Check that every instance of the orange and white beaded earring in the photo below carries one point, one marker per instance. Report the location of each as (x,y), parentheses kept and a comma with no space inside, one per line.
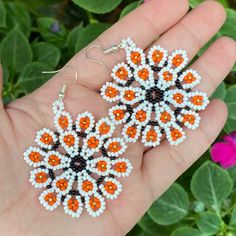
(78,162)
(153,95)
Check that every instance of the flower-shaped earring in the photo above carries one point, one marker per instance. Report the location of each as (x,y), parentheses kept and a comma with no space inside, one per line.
(78,164)
(154,97)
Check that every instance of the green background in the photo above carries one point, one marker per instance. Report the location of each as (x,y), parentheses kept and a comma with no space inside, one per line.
(43,35)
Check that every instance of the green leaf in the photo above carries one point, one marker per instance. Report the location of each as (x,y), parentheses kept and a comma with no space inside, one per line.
(129,8)
(15,50)
(31,76)
(231,94)
(229,29)
(198,206)
(232,173)
(171,207)
(89,33)
(52,31)
(220,92)
(98,6)
(186,231)
(18,16)
(232,221)
(3,15)
(73,37)
(230,125)
(208,223)
(211,185)
(148,225)
(232,110)
(194,3)
(47,53)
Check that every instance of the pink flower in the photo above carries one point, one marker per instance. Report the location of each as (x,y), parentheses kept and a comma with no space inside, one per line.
(225,152)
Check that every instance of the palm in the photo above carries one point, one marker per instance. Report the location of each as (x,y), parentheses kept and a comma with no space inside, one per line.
(155,169)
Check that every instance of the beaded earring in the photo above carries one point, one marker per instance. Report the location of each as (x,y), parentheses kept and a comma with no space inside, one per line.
(153,95)
(77,164)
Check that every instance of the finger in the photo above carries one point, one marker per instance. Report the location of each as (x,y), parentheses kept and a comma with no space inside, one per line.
(215,63)
(195,29)
(143,24)
(162,165)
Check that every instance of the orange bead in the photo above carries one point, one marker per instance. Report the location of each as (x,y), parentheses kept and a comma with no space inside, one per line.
(110,187)
(102,166)
(131,131)
(46,139)
(122,73)
(63,122)
(62,184)
(165,117)
(143,74)
(178,97)
(94,203)
(119,114)
(69,140)
(54,160)
(35,157)
(111,92)
(129,95)
(151,136)
(141,115)
(135,57)
(114,147)
(176,134)
(189,78)
(197,100)
(177,60)
(157,56)
(189,118)
(167,76)
(84,122)
(87,186)
(73,204)
(41,177)
(120,167)
(104,128)
(50,198)
(93,142)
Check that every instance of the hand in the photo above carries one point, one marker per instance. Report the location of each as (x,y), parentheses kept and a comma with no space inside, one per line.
(155,169)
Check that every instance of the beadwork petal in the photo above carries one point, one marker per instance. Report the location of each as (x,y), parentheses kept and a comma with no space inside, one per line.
(178,59)
(84,122)
(100,166)
(157,56)
(39,178)
(73,206)
(70,142)
(131,95)
(118,114)
(95,204)
(105,128)
(121,167)
(166,77)
(50,199)
(151,136)
(165,116)
(177,97)
(190,78)
(190,119)
(175,134)
(111,188)
(131,132)
(115,147)
(110,92)
(144,75)
(198,100)
(87,185)
(45,138)
(34,156)
(121,73)
(63,121)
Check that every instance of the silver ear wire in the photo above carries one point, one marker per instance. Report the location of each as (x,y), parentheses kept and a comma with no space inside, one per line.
(63,90)
(113,49)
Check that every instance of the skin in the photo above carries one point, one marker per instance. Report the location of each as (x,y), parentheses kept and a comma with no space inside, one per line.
(154,169)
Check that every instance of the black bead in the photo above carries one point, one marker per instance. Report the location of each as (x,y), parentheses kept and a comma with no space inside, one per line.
(57,133)
(143,128)
(179,123)
(63,198)
(166,63)
(120,103)
(188,90)
(167,103)
(74,127)
(111,176)
(187,108)
(44,149)
(162,131)
(65,168)
(147,60)
(49,186)
(132,69)
(179,73)
(100,192)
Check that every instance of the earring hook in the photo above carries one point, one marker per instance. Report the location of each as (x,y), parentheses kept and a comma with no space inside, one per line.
(113,49)
(64,87)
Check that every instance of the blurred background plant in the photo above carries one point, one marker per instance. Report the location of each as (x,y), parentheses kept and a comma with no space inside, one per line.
(43,35)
